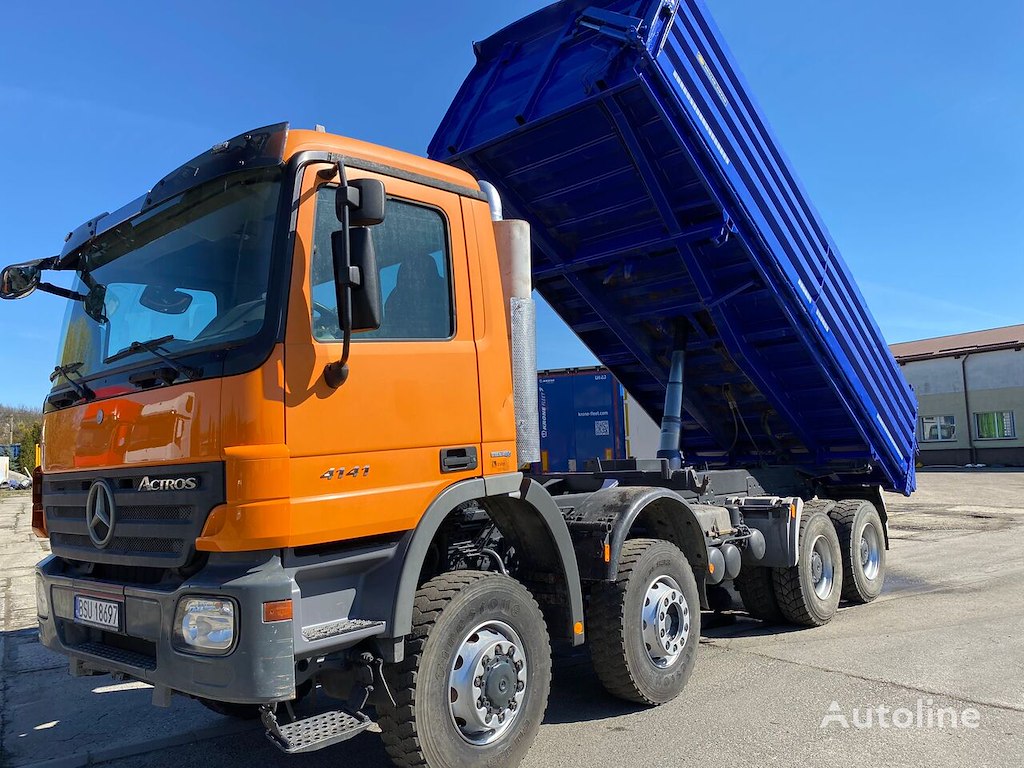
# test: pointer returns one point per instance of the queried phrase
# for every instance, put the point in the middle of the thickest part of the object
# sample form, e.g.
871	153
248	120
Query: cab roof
266	147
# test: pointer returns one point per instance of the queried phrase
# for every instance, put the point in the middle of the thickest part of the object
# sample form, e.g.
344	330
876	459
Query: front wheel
474	683
248	711
645	626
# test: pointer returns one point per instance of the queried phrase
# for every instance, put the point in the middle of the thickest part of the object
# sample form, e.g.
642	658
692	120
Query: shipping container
582	417
586	414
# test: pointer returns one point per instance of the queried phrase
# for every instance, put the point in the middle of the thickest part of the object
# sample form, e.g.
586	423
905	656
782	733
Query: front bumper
260	668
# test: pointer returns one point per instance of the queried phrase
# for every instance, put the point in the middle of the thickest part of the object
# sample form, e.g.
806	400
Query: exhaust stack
512	238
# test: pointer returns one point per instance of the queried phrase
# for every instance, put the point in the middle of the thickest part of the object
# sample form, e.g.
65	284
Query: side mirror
20	280
365	200
358	205
360	288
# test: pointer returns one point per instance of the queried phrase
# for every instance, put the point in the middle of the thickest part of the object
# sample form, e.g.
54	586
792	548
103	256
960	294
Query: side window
413	266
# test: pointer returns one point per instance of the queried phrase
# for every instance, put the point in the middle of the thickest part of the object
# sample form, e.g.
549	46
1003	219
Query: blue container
665	216
581	417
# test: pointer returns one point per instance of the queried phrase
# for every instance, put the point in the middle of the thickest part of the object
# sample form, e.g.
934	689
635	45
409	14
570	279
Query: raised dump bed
666	217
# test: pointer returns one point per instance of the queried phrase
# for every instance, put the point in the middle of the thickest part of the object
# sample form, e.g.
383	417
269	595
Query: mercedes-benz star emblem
100	514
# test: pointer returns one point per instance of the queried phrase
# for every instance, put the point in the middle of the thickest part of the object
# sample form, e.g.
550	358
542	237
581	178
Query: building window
995	425
937	428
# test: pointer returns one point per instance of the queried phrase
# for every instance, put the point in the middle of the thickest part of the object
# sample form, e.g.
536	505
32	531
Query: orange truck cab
234	516
287	448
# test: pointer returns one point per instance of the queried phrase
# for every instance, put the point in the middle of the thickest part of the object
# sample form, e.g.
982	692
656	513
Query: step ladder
315	732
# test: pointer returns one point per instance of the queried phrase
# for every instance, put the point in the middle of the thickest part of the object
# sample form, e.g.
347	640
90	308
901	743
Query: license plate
97	613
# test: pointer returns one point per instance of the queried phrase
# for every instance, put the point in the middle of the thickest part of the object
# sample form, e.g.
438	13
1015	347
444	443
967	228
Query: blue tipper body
666	217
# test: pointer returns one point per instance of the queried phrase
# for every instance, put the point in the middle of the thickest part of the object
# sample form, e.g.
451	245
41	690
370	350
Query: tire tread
843	515
607	609
608	624
398	722
786	581
754	583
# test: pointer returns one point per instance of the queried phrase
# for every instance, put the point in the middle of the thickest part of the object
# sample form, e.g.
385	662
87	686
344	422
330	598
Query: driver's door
368	457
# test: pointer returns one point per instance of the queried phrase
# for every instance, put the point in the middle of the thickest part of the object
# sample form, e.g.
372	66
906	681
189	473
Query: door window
414	273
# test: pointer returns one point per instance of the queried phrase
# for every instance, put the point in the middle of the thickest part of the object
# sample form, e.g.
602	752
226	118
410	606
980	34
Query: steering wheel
326	311
234	319
329	324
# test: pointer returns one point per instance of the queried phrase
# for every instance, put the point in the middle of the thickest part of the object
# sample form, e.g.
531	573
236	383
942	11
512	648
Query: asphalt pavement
930	674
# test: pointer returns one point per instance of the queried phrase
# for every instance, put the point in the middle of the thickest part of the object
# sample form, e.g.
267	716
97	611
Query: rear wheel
808	593
862	541
757	589
645	626
474	684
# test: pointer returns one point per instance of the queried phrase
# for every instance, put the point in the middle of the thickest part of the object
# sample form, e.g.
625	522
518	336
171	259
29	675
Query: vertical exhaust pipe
671	420
512	240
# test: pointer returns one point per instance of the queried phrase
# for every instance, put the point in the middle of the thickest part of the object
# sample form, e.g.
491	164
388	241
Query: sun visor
259	148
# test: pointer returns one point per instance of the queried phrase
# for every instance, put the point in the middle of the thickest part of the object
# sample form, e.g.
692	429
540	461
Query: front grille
151	528
156	512
122	544
132	512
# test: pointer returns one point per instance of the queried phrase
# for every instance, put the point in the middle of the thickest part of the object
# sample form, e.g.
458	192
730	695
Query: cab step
315	732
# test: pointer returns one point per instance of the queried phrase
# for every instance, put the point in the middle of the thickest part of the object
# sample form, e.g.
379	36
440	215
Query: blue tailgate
665	216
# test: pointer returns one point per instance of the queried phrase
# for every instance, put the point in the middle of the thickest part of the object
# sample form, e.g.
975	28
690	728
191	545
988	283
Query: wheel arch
657	512
524	512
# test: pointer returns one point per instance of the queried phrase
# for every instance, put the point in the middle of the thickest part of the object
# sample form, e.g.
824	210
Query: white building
970	392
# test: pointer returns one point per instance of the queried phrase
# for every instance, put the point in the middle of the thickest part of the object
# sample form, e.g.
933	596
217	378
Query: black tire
616	626
795	587
757	590
420	730
248	711
232	709
860	531
719	597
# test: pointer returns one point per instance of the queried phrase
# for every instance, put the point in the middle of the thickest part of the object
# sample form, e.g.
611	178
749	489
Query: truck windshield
190	274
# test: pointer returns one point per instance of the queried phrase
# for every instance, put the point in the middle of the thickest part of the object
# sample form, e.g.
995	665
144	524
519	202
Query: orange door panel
366	458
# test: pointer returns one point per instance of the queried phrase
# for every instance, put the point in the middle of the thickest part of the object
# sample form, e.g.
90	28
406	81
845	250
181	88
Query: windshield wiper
153	346
66	372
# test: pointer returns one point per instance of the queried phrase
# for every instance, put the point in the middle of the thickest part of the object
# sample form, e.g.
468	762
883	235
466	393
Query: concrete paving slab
739	710
50	714
26	654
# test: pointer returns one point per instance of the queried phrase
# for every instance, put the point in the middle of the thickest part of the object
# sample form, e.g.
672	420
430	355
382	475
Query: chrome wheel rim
487	682
870	553
822	567
665	621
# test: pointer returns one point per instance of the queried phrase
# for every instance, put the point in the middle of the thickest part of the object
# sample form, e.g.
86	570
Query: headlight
42	600
204	625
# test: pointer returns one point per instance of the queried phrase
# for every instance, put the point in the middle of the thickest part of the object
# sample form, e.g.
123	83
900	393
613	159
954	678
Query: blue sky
905	121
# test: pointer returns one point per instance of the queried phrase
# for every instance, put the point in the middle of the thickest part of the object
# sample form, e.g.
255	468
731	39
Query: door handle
458	459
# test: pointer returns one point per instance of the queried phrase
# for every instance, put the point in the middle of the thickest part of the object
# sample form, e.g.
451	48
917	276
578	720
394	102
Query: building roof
1008	337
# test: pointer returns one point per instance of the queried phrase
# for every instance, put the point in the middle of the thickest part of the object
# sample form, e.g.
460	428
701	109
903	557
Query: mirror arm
64	293
336	373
